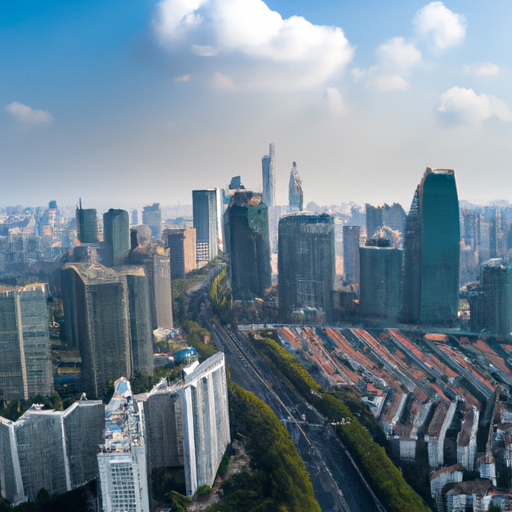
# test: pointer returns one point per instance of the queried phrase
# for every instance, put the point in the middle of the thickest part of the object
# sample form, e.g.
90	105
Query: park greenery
383	476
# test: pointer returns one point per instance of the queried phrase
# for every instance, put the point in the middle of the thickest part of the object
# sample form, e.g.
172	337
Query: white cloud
28	115
396	57
487	69
463	106
440	25
335	99
183	78
223	82
282	54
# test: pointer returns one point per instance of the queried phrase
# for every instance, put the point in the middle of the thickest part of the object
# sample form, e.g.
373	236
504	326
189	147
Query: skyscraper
351	254
25	363
306	263
295	192
206	223
381	269
87	225
269	179
432	241
248	245
116	234
97	319
182	244
152	217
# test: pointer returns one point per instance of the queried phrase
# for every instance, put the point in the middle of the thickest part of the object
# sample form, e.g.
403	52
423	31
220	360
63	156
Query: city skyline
109	93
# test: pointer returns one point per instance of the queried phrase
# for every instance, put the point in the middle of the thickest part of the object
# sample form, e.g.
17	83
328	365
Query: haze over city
143	101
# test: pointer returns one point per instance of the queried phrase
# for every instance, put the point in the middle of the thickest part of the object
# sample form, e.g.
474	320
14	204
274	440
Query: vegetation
278	480
383	476
16	408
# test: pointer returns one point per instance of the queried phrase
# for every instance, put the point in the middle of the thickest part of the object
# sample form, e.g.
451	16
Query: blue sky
129	103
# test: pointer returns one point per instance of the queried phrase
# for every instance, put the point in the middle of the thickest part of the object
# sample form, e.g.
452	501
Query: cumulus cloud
487	69
444	28
395	57
28	115
463	106
283	54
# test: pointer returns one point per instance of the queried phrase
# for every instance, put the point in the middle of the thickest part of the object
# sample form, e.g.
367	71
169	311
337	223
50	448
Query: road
337	482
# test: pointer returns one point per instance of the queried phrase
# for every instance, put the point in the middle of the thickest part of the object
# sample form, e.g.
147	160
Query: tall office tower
87	225
470	229
156	261
25	360
182	244
491	304
306	262
205	215
411	283
434	221
248	245
269	178
381	273
374	221
139	309
351	254
116	234
187	423
122	468
52	450
97	322
135	217
295	191
152	217
494	235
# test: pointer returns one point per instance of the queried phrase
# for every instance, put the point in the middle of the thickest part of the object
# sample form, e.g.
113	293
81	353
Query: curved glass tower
440	236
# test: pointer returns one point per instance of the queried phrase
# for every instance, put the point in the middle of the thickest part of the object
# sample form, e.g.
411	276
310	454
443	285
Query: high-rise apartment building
351	236
122	468
248	245
295	191
388	219
52	450
380	283
116	235
187	423
269	178
182	244
432	251
25	362
152	217
306	262
206	211
87	225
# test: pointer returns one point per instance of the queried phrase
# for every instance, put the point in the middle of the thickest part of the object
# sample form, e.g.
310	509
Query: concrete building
25	362
306	262
187	423
380	283
491	303
122	467
97	320
246	221
152	217
206	211
351	268
269	177
295	191
87	225
432	251
54	450
116	234
182	244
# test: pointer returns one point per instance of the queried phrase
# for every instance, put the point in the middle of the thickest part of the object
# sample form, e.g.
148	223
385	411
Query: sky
129	103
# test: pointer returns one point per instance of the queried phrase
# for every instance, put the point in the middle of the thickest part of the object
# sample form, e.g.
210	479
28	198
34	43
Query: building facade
269	178
295	191
87	225
306	263
182	244
205	210
351	235
152	217
116	235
